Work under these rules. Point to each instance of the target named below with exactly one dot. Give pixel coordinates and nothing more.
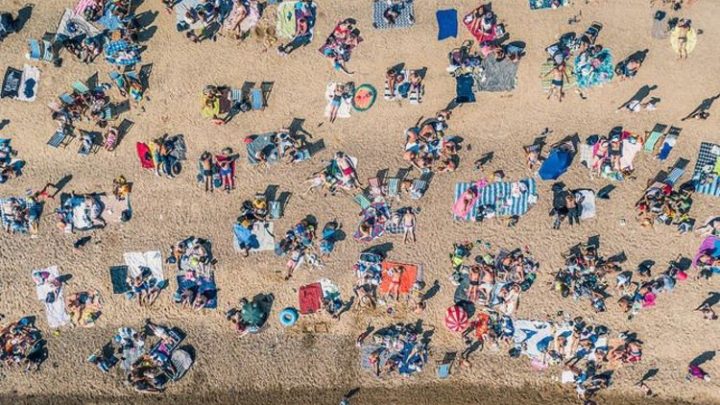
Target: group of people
(196, 283)
(21, 344)
(493, 281)
(21, 215)
(298, 245)
(9, 165)
(339, 45)
(427, 147)
(399, 348)
(662, 204)
(218, 171)
(585, 275)
(338, 175)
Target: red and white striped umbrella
(456, 319)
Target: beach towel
(118, 279)
(629, 151)
(407, 279)
(262, 143)
(587, 206)
(310, 298)
(363, 98)
(547, 4)
(691, 40)
(29, 84)
(659, 28)
(556, 164)
(706, 174)
(654, 137)
(504, 198)
(594, 71)
(464, 89)
(345, 104)
(447, 24)
(137, 262)
(546, 78)
(51, 296)
(495, 75)
(669, 143)
(201, 285)
(286, 22)
(145, 156)
(404, 20)
(110, 21)
(260, 238)
(11, 83)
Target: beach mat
(345, 104)
(407, 279)
(691, 40)
(11, 83)
(286, 21)
(447, 23)
(500, 192)
(29, 84)
(118, 279)
(707, 161)
(55, 310)
(404, 20)
(496, 75)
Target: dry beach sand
(290, 367)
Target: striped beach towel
(707, 161)
(499, 196)
(404, 20)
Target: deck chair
(393, 188)
(419, 186)
(62, 137)
(669, 143)
(40, 50)
(93, 147)
(275, 209)
(80, 88)
(374, 187)
(653, 137)
(66, 98)
(593, 31)
(257, 100)
(445, 366)
(362, 201)
(677, 171)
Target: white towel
(136, 261)
(55, 311)
(345, 104)
(29, 83)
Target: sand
(289, 367)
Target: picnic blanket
(547, 4)
(447, 23)
(11, 83)
(73, 25)
(594, 71)
(137, 262)
(495, 75)
(260, 238)
(710, 245)
(546, 79)
(51, 296)
(536, 338)
(28, 84)
(707, 169)
(200, 285)
(404, 20)
(345, 104)
(506, 198)
(587, 207)
(262, 143)
(407, 279)
(118, 279)
(464, 89)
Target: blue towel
(464, 89)
(118, 279)
(447, 23)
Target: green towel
(547, 80)
(286, 19)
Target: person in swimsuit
(408, 220)
(346, 167)
(395, 279)
(559, 75)
(226, 170)
(336, 101)
(415, 83)
(683, 29)
(573, 213)
(393, 78)
(475, 273)
(206, 166)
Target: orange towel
(407, 279)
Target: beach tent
(556, 164)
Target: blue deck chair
(80, 87)
(393, 188)
(275, 209)
(236, 95)
(61, 137)
(362, 201)
(34, 51)
(256, 99)
(66, 98)
(48, 52)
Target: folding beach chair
(80, 88)
(669, 143)
(362, 201)
(593, 31)
(419, 186)
(275, 209)
(374, 187)
(653, 137)
(677, 171)
(257, 100)
(62, 137)
(66, 98)
(393, 188)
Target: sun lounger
(374, 187)
(654, 137)
(393, 188)
(257, 100)
(66, 98)
(61, 137)
(80, 88)
(362, 201)
(677, 171)
(669, 143)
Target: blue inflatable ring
(288, 316)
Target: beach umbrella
(456, 319)
(251, 314)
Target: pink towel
(629, 150)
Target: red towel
(143, 152)
(310, 297)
